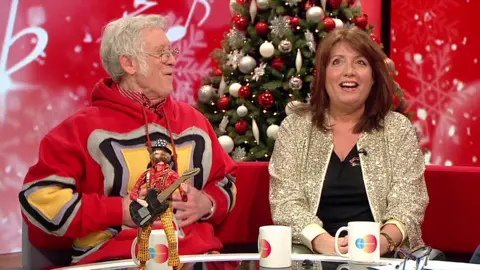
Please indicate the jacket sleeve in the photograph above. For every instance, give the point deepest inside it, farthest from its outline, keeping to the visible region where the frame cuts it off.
(138, 185)
(220, 186)
(288, 203)
(51, 198)
(407, 199)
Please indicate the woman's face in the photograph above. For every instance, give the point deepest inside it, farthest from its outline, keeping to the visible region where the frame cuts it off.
(349, 78)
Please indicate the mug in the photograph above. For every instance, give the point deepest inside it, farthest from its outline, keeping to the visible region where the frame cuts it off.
(157, 249)
(363, 241)
(275, 246)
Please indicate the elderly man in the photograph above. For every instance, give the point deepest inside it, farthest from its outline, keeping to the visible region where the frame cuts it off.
(78, 192)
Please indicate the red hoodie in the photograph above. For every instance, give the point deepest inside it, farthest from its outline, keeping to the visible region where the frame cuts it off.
(73, 195)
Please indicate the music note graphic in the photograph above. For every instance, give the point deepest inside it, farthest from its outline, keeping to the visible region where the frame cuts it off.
(136, 3)
(177, 32)
(6, 82)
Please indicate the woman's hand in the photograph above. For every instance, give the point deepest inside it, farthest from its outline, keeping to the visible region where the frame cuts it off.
(325, 244)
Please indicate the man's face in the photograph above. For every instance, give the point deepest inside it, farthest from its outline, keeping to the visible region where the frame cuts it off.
(157, 81)
(161, 155)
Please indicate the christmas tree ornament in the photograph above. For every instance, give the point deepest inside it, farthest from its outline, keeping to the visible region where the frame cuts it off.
(308, 5)
(263, 4)
(335, 3)
(223, 124)
(223, 103)
(272, 131)
(226, 142)
(298, 60)
(361, 21)
(240, 22)
(375, 38)
(236, 39)
(247, 64)
(253, 10)
(315, 14)
(262, 28)
(259, 71)
(255, 131)
(338, 23)
(312, 45)
(233, 58)
(278, 63)
(245, 92)
(291, 106)
(295, 83)
(241, 127)
(292, 3)
(221, 88)
(241, 2)
(266, 100)
(267, 49)
(295, 22)
(233, 89)
(285, 46)
(217, 72)
(239, 154)
(324, 4)
(206, 93)
(328, 24)
(242, 111)
(280, 27)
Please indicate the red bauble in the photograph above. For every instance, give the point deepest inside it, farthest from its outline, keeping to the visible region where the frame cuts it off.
(308, 5)
(244, 91)
(241, 127)
(374, 38)
(361, 21)
(328, 24)
(217, 72)
(262, 28)
(266, 100)
(278, 63)
(223, 103)
(240, 22)
(295, 22)
(241, 2)
(336, 3)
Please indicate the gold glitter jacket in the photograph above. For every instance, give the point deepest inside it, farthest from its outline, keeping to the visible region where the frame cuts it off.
(393, 172)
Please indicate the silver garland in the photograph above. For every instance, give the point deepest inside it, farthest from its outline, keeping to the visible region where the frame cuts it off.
(236, 39)
(239, 154)
(312, 45)
(259, 71)
(280, 27)
(233, 58)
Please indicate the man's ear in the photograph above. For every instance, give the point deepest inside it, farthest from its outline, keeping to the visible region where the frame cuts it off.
(128, 65)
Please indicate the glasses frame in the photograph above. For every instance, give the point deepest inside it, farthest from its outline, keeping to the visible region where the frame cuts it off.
(409, 256)
(165, 55)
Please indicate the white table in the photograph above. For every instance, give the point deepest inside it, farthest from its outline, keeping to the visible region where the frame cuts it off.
(436, 265)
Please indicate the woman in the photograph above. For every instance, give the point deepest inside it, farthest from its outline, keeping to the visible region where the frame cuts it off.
(345, 156)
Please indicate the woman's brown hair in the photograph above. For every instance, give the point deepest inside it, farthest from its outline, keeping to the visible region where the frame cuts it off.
(379, 100)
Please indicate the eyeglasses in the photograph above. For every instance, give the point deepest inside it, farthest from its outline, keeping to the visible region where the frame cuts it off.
(420, 261)
(164, 55)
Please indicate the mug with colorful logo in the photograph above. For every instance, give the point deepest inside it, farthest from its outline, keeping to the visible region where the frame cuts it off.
(275, 246)
(157, 250)
(363, 241)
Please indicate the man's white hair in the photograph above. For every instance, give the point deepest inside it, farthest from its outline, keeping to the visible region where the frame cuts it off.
(123, 37)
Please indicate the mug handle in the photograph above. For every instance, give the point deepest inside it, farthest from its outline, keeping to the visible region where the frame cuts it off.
(343, 267)
(337, 234)
(132, 251)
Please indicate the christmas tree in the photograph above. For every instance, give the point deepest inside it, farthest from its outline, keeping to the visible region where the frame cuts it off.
(266, 66)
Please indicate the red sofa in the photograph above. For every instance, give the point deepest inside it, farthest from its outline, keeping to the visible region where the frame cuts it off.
(451, 221)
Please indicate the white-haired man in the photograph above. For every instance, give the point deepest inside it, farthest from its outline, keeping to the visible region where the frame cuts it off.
(77, 193)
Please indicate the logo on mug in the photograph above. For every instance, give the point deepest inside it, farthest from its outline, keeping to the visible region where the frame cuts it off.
(159, 253)
(265, 248)
(368, 243)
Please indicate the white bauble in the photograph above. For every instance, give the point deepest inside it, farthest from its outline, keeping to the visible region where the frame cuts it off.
(272, 131)
(247, 64)
(233, 89)
(315, 14)
(267, 49)
(242, 111)
(226, 142)
(338, 23)
(290, 106)
(263, 4)
(206, 93)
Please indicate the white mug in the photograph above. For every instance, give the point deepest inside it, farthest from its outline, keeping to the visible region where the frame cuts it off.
(363, 241)
(157, 249)
(275, 246)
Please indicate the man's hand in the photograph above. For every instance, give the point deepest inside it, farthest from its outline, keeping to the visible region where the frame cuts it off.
(197, 205)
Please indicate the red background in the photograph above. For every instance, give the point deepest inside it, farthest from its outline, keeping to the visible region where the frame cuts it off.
(59, 80)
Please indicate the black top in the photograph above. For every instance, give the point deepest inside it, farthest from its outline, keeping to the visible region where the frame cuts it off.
(344, 197)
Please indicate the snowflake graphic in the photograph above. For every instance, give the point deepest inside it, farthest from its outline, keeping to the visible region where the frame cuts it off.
(433, 92)
(430, 20)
